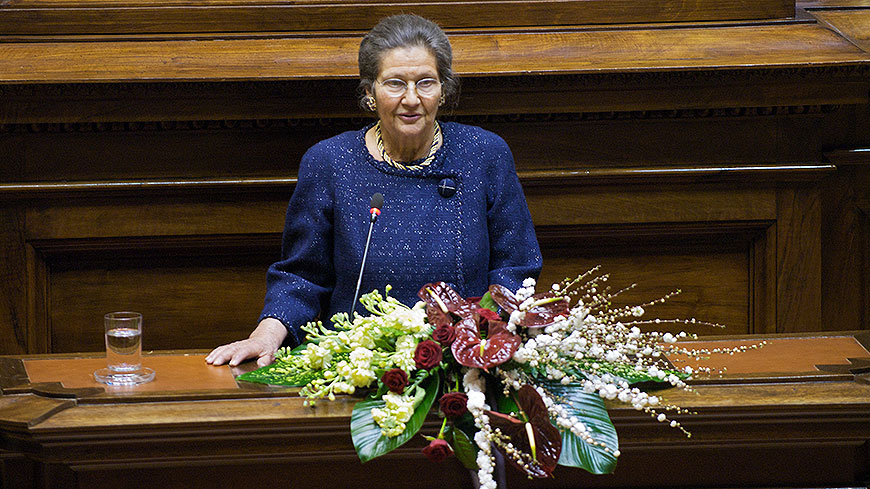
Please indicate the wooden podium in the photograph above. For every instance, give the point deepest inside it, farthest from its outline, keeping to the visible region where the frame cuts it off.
(795, 413)
(149, 150)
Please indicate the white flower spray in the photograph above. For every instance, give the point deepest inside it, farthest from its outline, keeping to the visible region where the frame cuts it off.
(474, 386)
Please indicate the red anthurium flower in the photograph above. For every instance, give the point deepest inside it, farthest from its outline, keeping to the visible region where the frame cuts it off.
(471, 349)
(544, 309)
(488, 314)
(504, 297)
(443, 304)
(532, 434)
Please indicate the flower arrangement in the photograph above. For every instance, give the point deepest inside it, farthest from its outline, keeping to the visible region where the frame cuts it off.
(522, 373)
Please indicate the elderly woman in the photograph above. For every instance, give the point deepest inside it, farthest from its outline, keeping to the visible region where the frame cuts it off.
(453, 208)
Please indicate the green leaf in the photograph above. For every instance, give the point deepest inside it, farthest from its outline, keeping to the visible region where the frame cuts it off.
(281, 373)
(590, 409)
(466, 424)
(506, 404)
(368, 440)
(464, 449)
(487, 303)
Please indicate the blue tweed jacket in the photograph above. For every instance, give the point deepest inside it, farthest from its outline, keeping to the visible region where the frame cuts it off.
(481, 235)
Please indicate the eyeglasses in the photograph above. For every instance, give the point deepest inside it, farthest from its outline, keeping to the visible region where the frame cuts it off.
(425, 87)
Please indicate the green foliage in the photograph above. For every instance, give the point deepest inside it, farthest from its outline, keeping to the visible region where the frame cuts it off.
(282, 373)
(368, 440)
(590, 408)
(464, 449)
(487, 303)
(506, 404)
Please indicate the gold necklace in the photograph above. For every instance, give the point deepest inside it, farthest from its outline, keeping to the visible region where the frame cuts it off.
(436, 140)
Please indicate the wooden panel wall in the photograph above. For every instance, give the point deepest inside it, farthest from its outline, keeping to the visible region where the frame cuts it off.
(743, 242)
(737, 175)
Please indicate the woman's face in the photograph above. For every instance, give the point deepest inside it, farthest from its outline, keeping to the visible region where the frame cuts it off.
(408, 116)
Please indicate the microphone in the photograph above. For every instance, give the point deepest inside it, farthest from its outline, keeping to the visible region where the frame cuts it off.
(375, 210)
(376, 203)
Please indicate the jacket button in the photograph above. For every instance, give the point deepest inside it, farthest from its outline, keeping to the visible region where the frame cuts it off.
(446, 188)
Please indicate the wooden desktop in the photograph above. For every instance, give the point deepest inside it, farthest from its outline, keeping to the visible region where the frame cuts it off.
(795, 413)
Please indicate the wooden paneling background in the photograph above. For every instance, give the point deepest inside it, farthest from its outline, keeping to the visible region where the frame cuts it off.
(149, 169)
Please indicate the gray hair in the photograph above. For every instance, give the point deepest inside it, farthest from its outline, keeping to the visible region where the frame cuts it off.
(400, 31)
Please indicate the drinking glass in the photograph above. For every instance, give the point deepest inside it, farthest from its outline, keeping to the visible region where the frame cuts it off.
(123, 331)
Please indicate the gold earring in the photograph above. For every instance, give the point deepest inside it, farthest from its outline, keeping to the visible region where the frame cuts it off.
(371, 104)
(441, 101)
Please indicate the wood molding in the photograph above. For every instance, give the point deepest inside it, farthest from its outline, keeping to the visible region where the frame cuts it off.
(29, 17)
(38, 302)
(855, 156)
(192, 245)
(796, 45)
(760, 173)
(701, 232)
(763, 282)
(799, 260)
(67, 106)
(13, 305)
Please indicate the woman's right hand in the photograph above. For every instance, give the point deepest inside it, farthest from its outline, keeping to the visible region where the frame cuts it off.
(262, 344)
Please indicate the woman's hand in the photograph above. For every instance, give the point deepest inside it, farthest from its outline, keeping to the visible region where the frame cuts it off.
(262, 344)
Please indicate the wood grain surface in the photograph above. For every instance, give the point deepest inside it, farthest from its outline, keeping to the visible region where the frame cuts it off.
(49, 17)
(529, 53)
(738, 424)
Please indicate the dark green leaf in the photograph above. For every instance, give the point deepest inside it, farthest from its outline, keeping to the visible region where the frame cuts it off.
(464, 449)
(466, 424)
(590, 409)
(368, 440)
(506, 404)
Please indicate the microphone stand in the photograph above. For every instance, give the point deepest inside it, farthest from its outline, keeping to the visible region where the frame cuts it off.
(375, 212)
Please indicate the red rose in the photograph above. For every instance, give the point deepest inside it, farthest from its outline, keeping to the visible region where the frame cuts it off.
(427, 354)
(395, 380)
(444, 334)
(437, 450)
(453, 404)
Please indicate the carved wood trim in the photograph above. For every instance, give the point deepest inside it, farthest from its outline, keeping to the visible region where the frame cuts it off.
(179, 245)
(12, 375)
(762, 281)
(702, 232)
(38, 294)
(13, 302)
(355, 122)
(855, 156)
(530, 178)
(23, 17)
(136, 106)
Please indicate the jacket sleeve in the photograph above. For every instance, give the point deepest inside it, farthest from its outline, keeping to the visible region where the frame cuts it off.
(514, 251)
(299, 285)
